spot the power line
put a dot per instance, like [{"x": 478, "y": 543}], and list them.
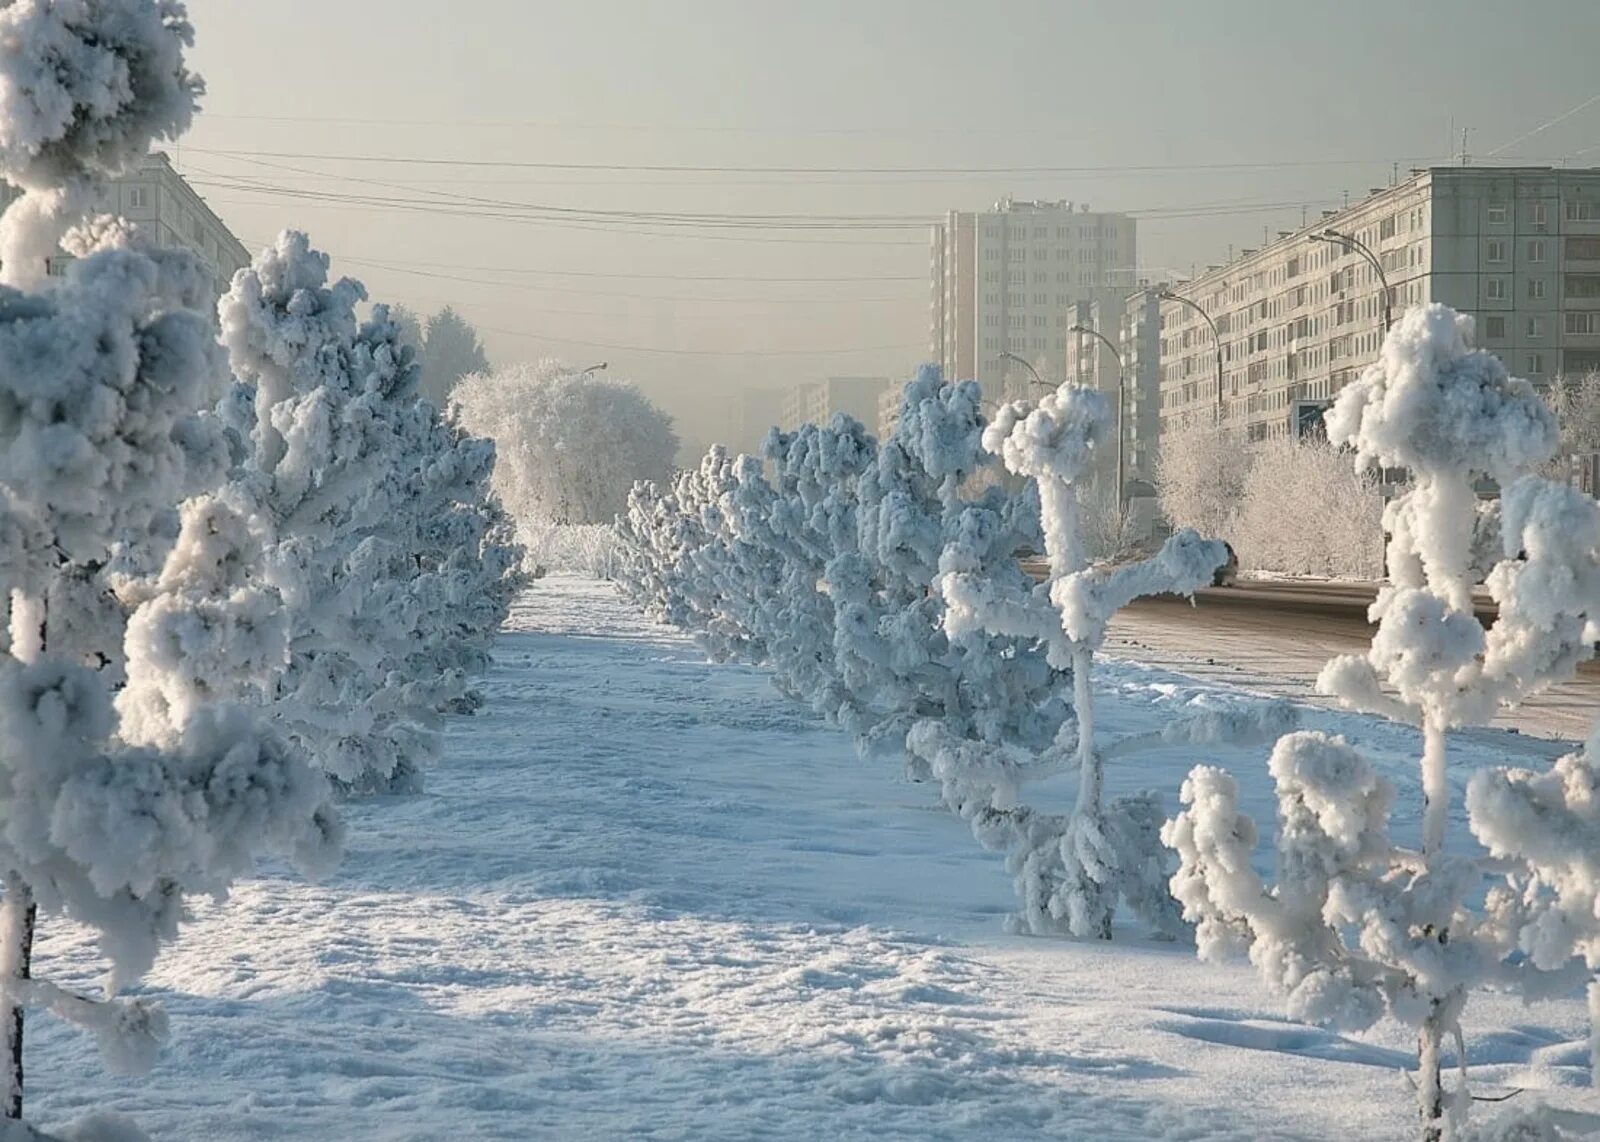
[
  {"x": 534, "y": 286},
  {"x": 533, "y": 336},
  {"x": 674, "y": 168},
  {"x": 1565, "y": 115},
  {"x": 372, "y": 204}
]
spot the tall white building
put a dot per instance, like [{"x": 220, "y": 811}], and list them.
[
  {"x": 1005, "y": 280},
  {"x": 1518, "y": 248},
  {"x": 170, "y": 214}
]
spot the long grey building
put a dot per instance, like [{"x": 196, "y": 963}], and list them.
[{"x": 1518, "y": 248}]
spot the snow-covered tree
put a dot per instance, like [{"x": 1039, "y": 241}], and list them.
[
  {"x": 393, "y": 563},
  {"x": 571, "y": 444},
  {"x": 1357, "y": 926},
  {"x": 111, "y": 814},
  {"x": 1576, "y": 402},
  {"x": 1199, "y": 477},
  {"x": 1073, "y": 869},
  {"x": 450, "y": 351},
  {"x": 1304, "y": 509}
]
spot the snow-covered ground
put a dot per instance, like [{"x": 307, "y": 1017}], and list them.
[{"x": 648, "y": 897}]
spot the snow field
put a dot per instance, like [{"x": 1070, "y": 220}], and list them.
[{"x": 650, "y": 897}]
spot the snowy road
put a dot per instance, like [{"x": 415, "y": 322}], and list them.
[
  {"x": 1282, "y": 651},
  {"x": 646, "y": 898}
]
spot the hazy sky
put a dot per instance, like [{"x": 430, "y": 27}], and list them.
[{"x": 1305, "y": 101}]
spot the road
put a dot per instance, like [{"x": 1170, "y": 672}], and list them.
[{"x": 1276, "y": 636}]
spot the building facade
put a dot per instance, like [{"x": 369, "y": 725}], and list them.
[
  {"x": 817, "y": 403},
  {"x": 1004, "y": 280},
  {"x": 1518, "y": 248},
  {"x": 169, "y": 214}
]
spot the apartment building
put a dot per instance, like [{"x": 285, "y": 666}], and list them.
[
  {"x": 818, "y": 402},
  {"x": 1518, "y": 248},
  {"x": 1125, "y": 366},
  {"x": 171, "y": 215},
  {"x": 1004, "y": 280}
]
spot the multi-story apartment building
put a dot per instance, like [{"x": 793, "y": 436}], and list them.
[
  {"x": 1518, "y": 248},
  {"x": 1003, "y": 280},
  {"x": 1127, "y": 370},
  {"x": 170, "y": 214},
  {"x": 817, "y": 403}
]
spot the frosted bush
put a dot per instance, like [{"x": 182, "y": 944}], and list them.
[
  {"x": 1304, "y": 509},
  {"x": 571, "y": 443},
  {"x": 1358, "y": 927}
]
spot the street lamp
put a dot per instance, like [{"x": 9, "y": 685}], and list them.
[
  {"x": 1026, "y": 365},
  {"x": 1168, "y": 295},
  {"x": 1348, "y": 242},
  {"x": 593, "y": 369},
  {"x": 1122, "y": 397}
]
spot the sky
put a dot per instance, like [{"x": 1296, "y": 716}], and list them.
[{"x": 513, "y": 133}]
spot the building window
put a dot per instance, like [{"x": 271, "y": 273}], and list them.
[
  {"x": 1497, "y": 212},
  {"x": 1581, "y": 211},
  {"x": 1536, "y": 364},
  {"x": 1583, "y": 324},
  {"x": 1536, "y": 289},
  {"x": 1495, "y": 251},
  {"x": 1536, "y": 250},
  {"x": 1495, "y": 289},
  {"x": 1583, "y": 285},
  {"x": 1536, "y": 214},
  {"x": 1494, "y": 328},
  {"x": 138, "y": 197},
  {"x": 1535, "y": 328}
]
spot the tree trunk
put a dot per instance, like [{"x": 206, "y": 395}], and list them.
[
  {"x": 1435, "y": 789},
  {"x": 1594, "y": 1032},
  {"x": 1430, "y": 1081},
  {"x": 1091, "y": 775},
  {"x": 17, "y": 915}
]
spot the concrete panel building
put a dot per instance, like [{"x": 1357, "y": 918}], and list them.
[
  {"x": 1003, "y": 280},
  {"x": 817, "y": 403},
  {"x": 1518, "y": 248},
  {"x": 170, "y": 214}
]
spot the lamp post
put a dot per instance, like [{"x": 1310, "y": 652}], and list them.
[
  {"x": 1122, "y": 398},
  {"x": 1168, "y": 295},
  {"x": 1008, "y": 356},
  {"x": 1348, "y": 243},
  {"x": 593, "y": 369}
]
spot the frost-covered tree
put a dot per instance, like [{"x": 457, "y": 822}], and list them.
[
  {"x": 1576, "y": 402},
  {"x": 1357, "y": 926},
  {"x": 111, "y": 814},
  {"x": 1304, "y": 509},
  {"x": 571, "y": 444},
  {"x": 450, "y": 351},
  {"x": 1072, "y": 870},
  {"x": 392, "y": 560},
  {"x": 1199, "y": 478},
  {"x": 88, "y": 88}
]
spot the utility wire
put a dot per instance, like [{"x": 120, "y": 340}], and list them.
[{"x": 1565, "y": 115}]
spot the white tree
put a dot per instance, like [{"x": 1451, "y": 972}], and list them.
[
  {"x": 1075, "y": 869},
  {"x": 1304, "y": 509},
  {"x": 365, "y": 488},
  {"x": 450, "y": 351},
  {"x": 571, "y": 444},
  {"x": 112, "y": 816},
  {"x": 1199, "y": 477},
  {"x": 1357, "y": 926}
]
